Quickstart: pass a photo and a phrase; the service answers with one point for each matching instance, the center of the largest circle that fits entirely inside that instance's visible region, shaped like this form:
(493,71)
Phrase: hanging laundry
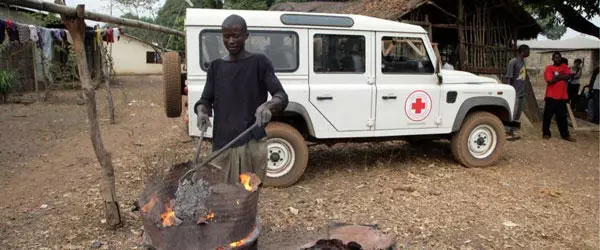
(109,36)
(46,42)
(98,40)
(33,33)
(24,32)
(57,34)
(116,34)
(11,29)
(2,31)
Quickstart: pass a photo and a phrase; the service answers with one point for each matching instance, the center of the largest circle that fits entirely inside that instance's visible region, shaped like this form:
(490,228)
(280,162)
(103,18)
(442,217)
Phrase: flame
(148,206)
(168,217)
(210,216)
(245,180)
(238,243)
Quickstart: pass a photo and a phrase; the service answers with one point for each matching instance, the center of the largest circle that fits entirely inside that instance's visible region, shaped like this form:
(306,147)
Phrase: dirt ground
(543,193)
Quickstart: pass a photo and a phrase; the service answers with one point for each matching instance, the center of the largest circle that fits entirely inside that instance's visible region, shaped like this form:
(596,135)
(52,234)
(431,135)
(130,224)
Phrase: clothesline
(45,37)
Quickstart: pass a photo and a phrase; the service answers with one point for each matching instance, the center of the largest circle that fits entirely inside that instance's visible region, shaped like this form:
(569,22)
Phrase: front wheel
(288,155)
(480,140)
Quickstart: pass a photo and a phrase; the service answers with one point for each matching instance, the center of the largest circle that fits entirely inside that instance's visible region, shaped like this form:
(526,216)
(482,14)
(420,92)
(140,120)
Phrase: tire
(288,155)
(480,140)
(172,83)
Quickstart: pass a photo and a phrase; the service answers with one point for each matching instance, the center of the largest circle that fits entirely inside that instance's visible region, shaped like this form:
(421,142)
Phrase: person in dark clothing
(516,75)
(574,84)
(594,88)
(236,89)
(556,76)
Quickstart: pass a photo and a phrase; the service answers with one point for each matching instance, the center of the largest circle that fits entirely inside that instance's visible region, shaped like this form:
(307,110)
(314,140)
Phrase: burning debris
(201,212)
(190,201)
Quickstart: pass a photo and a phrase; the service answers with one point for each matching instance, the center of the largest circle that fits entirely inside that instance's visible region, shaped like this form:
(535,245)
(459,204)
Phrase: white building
(133,56)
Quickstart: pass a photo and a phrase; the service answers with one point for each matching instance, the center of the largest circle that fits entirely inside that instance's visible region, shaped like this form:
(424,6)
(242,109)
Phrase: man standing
(556,76)
(236,89)
(516,75)
(574,84)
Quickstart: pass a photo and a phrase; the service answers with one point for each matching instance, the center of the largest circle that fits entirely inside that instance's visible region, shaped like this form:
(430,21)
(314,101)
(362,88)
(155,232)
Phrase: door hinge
(370,122)
(370,80)
(438,120)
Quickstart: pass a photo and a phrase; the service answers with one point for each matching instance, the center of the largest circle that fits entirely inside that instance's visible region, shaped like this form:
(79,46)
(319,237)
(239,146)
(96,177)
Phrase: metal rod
(218,152)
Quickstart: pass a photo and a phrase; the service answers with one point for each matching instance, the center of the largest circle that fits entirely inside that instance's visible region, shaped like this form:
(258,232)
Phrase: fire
(245,180)
(207,218)
(168,217)
(238,243)
(210,216)
(249,181)
(148,206)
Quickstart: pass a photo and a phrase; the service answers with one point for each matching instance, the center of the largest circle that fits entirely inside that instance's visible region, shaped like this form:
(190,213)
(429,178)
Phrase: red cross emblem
(418,106)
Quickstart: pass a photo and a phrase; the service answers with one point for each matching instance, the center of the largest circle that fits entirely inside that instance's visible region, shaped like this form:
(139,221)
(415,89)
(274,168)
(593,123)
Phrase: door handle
(321,98)
(388,97)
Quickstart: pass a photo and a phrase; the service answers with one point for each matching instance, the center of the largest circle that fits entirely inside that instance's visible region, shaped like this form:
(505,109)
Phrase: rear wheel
(480,141)
(172,83)
(288,155)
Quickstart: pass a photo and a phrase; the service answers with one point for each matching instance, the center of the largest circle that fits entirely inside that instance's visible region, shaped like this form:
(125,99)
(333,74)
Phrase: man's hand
(203,118)
(263,114)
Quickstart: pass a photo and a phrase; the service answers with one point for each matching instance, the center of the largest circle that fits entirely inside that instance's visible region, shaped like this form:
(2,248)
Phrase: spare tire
(172,83)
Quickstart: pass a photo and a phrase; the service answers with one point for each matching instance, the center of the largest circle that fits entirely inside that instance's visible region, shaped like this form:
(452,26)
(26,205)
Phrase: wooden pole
(461,34)
(76,26)
(69,11)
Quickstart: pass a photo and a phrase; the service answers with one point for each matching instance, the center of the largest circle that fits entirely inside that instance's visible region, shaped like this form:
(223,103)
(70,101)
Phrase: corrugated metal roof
(575,43)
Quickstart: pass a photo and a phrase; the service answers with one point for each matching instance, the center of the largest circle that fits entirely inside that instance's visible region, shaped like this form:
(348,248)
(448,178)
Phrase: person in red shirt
(556,98)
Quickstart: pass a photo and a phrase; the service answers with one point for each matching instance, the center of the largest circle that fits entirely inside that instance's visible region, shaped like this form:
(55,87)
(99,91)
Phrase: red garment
(109,36)
(557,90)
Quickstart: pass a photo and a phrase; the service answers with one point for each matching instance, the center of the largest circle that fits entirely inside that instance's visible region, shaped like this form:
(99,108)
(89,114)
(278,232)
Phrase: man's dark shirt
(235,89)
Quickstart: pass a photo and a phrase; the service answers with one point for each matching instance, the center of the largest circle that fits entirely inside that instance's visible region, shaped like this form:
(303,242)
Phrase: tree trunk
(105,73)
(76,27)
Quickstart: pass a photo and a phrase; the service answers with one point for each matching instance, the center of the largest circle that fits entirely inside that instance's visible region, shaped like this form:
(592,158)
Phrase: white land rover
(348,77)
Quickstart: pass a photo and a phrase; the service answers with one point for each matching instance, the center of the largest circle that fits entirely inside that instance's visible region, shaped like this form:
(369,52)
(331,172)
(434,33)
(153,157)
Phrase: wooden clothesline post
(76,27)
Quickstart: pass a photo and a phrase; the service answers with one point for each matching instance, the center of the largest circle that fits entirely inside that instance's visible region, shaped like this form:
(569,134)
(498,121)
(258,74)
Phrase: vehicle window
(280,47)
(404,55)
(339,54)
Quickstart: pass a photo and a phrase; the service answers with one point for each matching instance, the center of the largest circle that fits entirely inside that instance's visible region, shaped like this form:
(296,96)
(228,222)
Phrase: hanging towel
(33,33)
(24,32)
(46,42)
(2,31)
(13,33)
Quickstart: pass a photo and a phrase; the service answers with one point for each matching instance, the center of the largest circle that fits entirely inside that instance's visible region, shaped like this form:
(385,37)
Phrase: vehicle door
(340,79)
(408,92)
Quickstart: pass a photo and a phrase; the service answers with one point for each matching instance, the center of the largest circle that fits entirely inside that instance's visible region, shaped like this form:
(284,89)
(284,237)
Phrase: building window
(153,57)
(281,47)
(339,53)
(405,55)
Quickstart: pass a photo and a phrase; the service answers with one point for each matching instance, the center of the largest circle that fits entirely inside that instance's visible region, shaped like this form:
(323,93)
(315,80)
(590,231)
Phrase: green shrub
(7,82)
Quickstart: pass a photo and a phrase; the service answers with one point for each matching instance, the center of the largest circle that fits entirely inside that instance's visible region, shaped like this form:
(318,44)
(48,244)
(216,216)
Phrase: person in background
(574,84)
(556,98)
(594,88)
(516,76)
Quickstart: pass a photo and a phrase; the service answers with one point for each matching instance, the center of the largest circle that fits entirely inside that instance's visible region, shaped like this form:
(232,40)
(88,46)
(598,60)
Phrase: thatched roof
(396,9)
